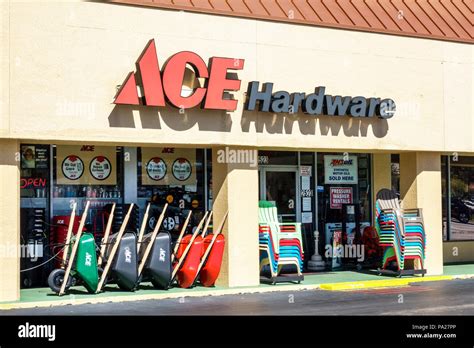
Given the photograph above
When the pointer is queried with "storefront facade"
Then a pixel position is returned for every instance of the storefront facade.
(65, 64)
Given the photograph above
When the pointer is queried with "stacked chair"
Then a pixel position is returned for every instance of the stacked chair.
(280, 244)
(401, 233)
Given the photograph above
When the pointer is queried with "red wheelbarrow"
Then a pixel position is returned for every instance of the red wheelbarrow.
(188, 251)
(204, 258)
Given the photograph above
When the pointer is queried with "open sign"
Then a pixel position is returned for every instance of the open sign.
(32, 182)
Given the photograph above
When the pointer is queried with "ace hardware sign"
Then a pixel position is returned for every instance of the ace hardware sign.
(155, 87)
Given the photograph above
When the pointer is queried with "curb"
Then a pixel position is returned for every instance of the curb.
(384, 283)
(154, 296)
(354, 285)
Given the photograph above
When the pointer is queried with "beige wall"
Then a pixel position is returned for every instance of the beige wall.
(420, 187)
(66, 59)
(235, 190)
(4, 68)
(62, 61)
(9, 221)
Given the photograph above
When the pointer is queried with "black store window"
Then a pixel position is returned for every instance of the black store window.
(175, 176)
(458, 195)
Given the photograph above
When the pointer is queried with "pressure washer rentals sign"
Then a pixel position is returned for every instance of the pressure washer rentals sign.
(339, 196)
(339, 169)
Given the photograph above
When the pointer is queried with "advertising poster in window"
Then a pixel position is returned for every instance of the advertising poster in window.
(340, 169)
(168, 166)
(28, 157)
(86, 165)
(339, 196)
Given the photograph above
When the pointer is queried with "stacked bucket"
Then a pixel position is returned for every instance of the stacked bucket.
(401, 232)
(280, 243)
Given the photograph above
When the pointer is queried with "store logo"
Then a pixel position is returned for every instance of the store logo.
(341, 162)
(128, 255)
(88, 260)
(88, 148)
(162, 255)
(181, 87)
(156, 85)
(317, 103)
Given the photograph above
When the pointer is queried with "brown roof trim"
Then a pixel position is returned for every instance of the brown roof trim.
(446, 20)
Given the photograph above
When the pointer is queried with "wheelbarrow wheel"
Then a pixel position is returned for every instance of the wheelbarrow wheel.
(55, 280)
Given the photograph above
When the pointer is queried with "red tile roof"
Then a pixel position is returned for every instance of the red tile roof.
(451, 20)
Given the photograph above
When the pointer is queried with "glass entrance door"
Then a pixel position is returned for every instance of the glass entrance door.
(279, 185)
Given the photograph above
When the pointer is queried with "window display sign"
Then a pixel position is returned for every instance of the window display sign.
(156, 168)
(27, 183)
(72, 167)
(100, 168)
(85, 165)
(28, 155)
(334, 249)
(168, 166)
(340, 169)
(42, 158)
(182, 169)
(305, 171)
(34, 156)
(339, 196)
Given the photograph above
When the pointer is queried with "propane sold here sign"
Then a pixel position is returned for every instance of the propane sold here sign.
(340, 169)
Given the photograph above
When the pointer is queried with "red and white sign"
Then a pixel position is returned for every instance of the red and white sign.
(156, 168)
(339, 196)
(100, 167)
(32, 182)
(72, 167)
(167, 84)
(182, 169)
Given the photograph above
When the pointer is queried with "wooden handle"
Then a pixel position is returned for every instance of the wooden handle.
(142, 228)
(185, 253)
(152, 239)
(74, 249)
(185, 225)
(206, 226)
(208, 250)
(114, 248)
(69, 232)
(106, 234)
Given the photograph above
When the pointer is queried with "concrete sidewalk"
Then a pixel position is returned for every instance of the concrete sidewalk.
(343, 280)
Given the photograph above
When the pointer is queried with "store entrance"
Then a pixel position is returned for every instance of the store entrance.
(279, 184)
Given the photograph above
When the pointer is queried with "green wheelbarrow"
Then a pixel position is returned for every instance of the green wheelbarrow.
(80, 266)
